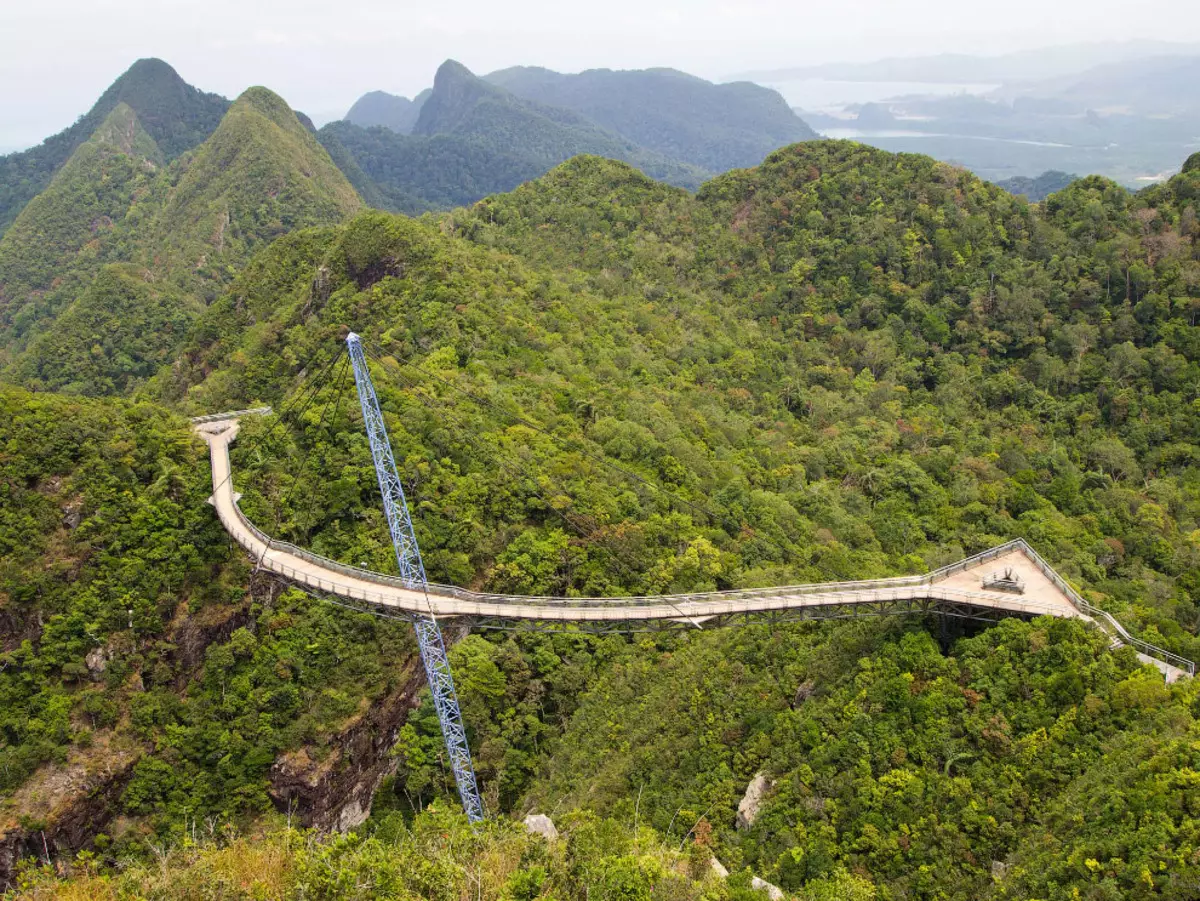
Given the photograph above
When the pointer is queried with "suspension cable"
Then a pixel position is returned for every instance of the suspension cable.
(520, 419)
(290, 403)
(337, 394)
(518, 476)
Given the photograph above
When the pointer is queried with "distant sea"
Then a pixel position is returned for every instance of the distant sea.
(858, 133)
(826, 96)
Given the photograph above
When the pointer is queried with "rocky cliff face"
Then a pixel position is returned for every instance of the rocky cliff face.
(335, 791)
(61, 808)
(752, 801)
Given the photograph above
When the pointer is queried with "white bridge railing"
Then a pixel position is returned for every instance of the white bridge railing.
(684, 606)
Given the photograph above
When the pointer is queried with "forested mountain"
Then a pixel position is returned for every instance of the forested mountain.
(414, 173)
(466, 106)
(51, 250)
(1038, 188)
(399, 114)
(713, 126)
(472, 139)
(173, 113)
(865, 364)
(184, 228)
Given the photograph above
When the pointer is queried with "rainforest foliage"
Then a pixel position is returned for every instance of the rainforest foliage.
(176, 115)
(182, 230)
(437, 858)
(842, 364)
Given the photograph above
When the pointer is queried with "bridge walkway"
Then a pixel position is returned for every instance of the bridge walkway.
(967, 587)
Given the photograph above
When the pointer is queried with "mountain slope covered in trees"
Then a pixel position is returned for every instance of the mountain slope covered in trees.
(464, 105)
(471, 136)
(182, 229)
(416, 173)
(713, 126)
(174, 114)
(863, 364)
(52, 249)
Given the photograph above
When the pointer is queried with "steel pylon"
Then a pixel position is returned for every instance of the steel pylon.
(412, 573)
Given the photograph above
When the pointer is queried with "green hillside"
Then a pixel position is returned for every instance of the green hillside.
(173, 113)
(414, 173)
(713, 126)
(115, 335)
(841, 364)
(262, 174)
(62, 236)
(184, 229)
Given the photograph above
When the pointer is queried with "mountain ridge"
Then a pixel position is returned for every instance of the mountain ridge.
(177, 115)
(174, 234)
(471, 139)
(399, 114)
(714, 126)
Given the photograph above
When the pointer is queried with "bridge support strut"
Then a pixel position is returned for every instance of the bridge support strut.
(412, 573)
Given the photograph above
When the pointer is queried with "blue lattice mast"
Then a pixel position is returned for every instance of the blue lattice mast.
(412, 573)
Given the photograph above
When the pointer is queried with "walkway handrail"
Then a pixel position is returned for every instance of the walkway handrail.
(1106, 621)
(232, 414)
(632, 601)
(684, 605)
(882, 587)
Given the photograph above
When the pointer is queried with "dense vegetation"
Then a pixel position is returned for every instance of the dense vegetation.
(437, 858)
(118, 590)
(414, 173)
(713, 126)
(180, 231)
(886, 757)
(175, 115)
(1038, 188)
(840, 364)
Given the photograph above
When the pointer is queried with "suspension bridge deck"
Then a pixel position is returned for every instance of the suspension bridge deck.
(1008, 580)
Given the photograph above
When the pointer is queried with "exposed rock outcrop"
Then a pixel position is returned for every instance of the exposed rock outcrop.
(70, 803)
(774, 892)
(335, 791)
(804, 691)
(97, 661)
(752, 801)
(540, 824)
(66, 805)
(192, 633)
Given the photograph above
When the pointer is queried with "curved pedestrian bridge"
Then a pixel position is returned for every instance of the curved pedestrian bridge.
(1009, 580)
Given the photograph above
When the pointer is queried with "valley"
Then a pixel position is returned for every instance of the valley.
(678, 348)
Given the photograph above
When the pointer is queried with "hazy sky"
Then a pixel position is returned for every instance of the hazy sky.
(57, 56)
